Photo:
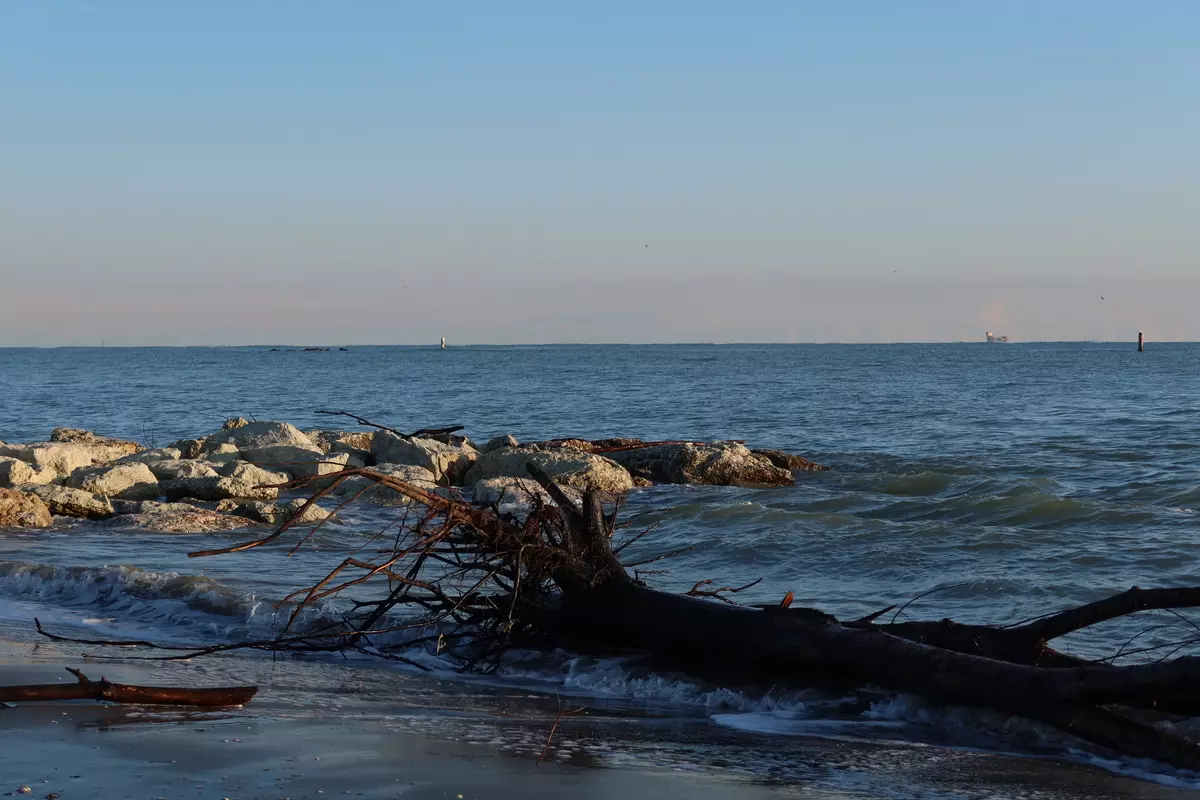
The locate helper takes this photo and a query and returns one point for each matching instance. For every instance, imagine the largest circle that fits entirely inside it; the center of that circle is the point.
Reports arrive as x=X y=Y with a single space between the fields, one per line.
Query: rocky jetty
x=237 y=476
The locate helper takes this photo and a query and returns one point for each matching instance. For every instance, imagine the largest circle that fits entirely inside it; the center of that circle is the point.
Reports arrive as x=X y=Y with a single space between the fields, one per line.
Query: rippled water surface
x=1016 y=478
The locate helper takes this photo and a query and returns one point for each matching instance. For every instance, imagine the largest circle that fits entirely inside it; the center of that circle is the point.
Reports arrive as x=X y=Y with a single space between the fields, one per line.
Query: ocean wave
x=922 y=484
x=1022 y=506
x=169 y=602
x=624 y=681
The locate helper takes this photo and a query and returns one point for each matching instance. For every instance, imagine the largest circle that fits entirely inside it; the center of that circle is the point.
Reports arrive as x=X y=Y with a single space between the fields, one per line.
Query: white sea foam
x=125 y=598
x=1143 y=770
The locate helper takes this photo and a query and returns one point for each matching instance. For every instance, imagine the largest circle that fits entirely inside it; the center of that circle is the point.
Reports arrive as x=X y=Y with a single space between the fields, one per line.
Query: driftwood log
x=106 y=691
x=468 y=582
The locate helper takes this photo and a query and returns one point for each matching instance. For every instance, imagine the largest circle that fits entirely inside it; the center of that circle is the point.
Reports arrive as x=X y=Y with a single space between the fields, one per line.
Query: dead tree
x=468 y=583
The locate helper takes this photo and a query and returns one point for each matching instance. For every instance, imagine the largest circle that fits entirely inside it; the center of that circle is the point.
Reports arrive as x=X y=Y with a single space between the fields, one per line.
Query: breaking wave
x=122 y=596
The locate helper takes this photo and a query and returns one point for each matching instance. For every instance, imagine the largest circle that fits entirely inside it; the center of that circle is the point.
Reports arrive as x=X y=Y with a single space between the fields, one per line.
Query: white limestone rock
x=218 y=488
x=66 y=457
x=567 y=467
x=179 y=518
x=500 y=442
x=150 y=456
x=13 y=471
x=63 y=501
x=253 y=474
x=448 y=462
x=173 y=469
x=131 y=481
x=716 y=464
x=277 y=513
x=259 y=434
x=382 y=495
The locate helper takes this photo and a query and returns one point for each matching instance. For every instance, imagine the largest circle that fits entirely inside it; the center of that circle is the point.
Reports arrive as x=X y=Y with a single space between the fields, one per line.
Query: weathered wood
x=797 y=646
x=106 y=691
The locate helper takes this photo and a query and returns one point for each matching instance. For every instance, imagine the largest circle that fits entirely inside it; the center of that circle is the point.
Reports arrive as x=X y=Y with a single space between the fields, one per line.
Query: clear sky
x=568 y=171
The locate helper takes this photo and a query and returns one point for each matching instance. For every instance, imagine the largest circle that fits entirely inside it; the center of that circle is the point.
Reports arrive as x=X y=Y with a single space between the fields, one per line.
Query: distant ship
x=994 y=339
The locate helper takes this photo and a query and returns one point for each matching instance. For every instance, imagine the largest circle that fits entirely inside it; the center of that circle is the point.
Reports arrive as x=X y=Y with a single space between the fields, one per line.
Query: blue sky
x=270 y=172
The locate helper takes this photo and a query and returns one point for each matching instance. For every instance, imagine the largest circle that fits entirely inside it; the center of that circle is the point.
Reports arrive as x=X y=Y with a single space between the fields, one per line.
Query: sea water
x=1004 y=480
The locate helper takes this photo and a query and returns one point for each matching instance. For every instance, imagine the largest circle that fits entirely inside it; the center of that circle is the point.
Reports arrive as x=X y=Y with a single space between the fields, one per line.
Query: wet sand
x=107 y=753
x=89 y=750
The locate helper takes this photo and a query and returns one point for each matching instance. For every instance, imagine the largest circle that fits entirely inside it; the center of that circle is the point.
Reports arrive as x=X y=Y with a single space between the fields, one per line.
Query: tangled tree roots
x=468 y=583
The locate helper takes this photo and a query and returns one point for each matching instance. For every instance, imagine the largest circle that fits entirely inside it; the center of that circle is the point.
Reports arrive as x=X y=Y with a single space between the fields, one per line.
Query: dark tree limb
x=1048 y=628
x=106 y=691
x=422 y=432
x=362 y=421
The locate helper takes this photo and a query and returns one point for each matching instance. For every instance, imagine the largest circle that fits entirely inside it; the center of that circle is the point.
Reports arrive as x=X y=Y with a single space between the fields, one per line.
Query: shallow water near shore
x=1016 y=478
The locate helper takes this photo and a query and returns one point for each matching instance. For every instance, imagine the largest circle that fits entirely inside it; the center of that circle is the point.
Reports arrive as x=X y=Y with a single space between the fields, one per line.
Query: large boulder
x=125 y=507
x=717 y=464
x=188 y=448
x=791 y=462
x=276 y=513
x=132 y=481
x=23 y=510
x=252 y=474
x=218 y=488
x=382 y=495
x=500 y=442
x=179 y=518
x=150 y=456
x=299 y=462
x=81 y=436
x=517 y=496
x=222 y=454
x=174 y=469
x=13 y=471
x=259 y=434
x=568 y=467
x=328 y=464
x=448 y=462
x=354 y=442
x=63 y=501
x=66 y=457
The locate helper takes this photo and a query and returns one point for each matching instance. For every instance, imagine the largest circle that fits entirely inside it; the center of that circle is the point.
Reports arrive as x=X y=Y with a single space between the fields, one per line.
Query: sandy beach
x=88 y=750
x=107 y=754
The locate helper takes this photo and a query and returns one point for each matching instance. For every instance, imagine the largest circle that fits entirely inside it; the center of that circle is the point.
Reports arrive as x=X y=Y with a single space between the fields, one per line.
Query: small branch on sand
x=106 y=691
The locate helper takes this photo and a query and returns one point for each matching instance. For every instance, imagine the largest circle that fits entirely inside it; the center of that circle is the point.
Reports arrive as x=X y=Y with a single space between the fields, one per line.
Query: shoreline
x=219 y=449
x=274 y=750
x=104 y=754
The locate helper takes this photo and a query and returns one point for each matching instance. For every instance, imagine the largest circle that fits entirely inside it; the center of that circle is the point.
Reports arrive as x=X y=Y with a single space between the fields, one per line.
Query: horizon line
x=437 y=346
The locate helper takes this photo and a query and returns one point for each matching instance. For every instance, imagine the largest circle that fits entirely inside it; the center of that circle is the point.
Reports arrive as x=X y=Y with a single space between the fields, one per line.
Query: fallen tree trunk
x=979 y=666
x=797 y=646
x=106 y=691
